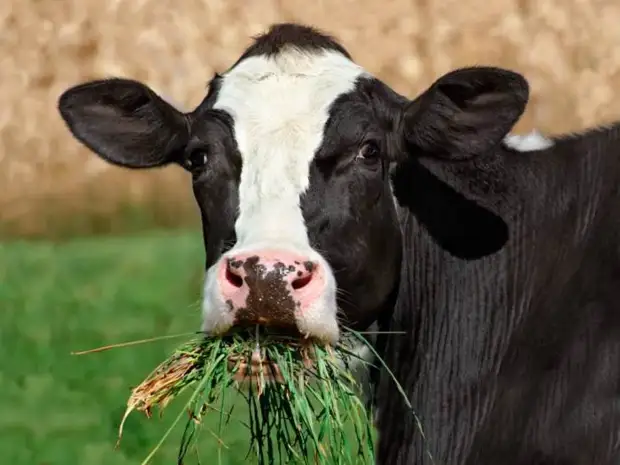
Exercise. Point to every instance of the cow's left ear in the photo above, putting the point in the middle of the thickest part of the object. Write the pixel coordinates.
(465, 113)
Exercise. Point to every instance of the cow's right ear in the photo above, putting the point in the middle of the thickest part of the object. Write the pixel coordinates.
(124, 122)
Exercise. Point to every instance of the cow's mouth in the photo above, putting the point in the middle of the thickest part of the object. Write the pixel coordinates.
(258, 367)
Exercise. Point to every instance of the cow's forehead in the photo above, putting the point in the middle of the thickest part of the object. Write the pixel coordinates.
(291, 91)
(279, 105)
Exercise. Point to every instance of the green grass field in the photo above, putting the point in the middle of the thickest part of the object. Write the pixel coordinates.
(61, 409)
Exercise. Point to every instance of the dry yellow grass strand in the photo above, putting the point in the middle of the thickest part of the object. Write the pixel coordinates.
(156, 389)
(568, 49)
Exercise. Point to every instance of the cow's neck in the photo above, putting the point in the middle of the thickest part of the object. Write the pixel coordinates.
(466, 320)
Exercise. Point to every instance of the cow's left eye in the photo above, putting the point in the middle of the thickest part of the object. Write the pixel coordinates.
(196, 160)
(369, 153)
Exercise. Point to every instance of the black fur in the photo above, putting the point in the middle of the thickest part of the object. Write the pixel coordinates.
(483, 231)
(301, 37)
(514, 359)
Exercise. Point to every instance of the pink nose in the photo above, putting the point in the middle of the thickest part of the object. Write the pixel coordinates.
(269, 287)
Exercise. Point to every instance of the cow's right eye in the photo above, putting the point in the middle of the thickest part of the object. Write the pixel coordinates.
(196, 160)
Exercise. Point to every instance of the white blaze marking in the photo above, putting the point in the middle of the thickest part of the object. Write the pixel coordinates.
(528, 142)
(280, 105)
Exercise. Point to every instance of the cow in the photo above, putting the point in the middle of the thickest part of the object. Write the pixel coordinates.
(328, 199)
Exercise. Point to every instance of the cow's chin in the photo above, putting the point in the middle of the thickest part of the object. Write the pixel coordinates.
(318, 327)
(254, 366)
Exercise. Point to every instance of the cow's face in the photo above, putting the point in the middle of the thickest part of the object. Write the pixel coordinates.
(305, 180)
(291, 154)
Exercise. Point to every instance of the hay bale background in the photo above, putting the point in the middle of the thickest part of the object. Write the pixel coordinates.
(50, 186)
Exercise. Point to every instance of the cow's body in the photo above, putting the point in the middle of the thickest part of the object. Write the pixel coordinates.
(514, 359)
(325, 196)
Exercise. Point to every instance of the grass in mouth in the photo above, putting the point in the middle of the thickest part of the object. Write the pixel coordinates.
(300, 395)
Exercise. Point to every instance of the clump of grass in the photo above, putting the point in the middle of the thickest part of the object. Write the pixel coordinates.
(300, 396)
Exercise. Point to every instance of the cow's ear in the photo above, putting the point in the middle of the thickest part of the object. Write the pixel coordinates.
(124, 122)
(465, 113)
(457, 224)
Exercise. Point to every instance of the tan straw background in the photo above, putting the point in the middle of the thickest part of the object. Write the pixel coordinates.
(50, 186)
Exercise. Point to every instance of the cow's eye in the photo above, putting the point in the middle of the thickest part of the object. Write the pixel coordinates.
(196, 159)
(369, 153)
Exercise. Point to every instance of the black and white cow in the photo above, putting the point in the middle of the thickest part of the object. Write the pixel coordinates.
(326, 196)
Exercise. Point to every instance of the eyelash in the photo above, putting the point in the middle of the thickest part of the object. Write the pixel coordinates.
(369, 153)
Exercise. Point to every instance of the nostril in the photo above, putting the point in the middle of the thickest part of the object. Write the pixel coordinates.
(233, 278)
(301, 282)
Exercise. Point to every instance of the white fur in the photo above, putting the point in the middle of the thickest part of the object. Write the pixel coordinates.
(280, 105)
(359, 360)
(528, 142)
(360, 368)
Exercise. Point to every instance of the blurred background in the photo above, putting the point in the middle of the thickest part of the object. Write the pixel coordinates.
(52, 187)
(132, 267)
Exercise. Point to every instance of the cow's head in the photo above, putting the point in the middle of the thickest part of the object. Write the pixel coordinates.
(290, 155)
